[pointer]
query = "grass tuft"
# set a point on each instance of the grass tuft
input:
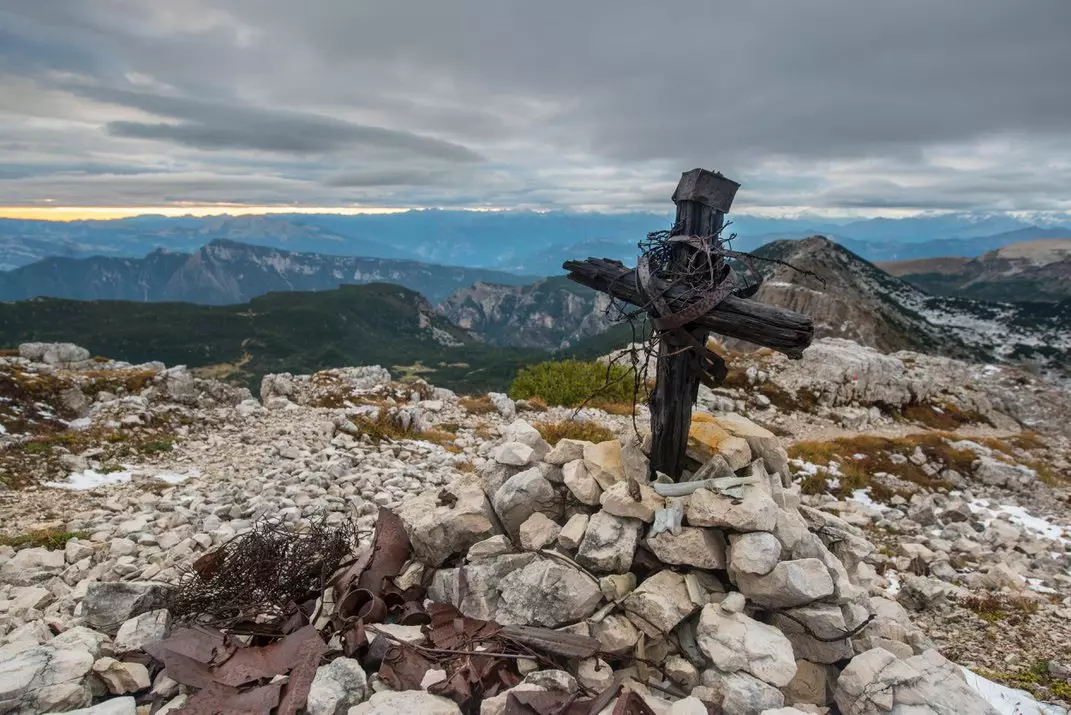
(583, 430)
(48, 538)
(571, 383)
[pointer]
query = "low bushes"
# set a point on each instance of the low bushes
(571, 383)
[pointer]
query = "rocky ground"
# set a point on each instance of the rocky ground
(919, 500)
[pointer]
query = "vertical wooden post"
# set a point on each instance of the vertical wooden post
(703, 198)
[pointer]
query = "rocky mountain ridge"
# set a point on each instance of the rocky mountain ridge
(226, 272)
(1029, 271)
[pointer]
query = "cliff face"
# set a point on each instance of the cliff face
(550, 314)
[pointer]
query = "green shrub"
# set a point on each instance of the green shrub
(572, 382)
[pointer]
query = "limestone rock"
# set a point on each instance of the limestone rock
(484, 581)
(337, 687)
(521, 432)
(121, 678)
(755, 553)
(45, 679)
(823, 619)
(763, 442)
(573, 532)
(521, 496)
(108, 605)
(447, 522)
(604, 462)
(617, 501)
(877, 682)
(615, 634)
(547, 593)
(113, 706)
(757, 511)
(707, 438)
(142, 630)
(538, 531)
(609, 543)
(581, 483)
(490, 547)
(789, 584)
(514, 454)
(410, 702)
(659, 603)
(30, 566)
(814, 683)
(693, 546)
(735, 642)
(741, 693)
(567, 450)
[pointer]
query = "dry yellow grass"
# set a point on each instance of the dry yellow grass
(477, 405)
(583, 430)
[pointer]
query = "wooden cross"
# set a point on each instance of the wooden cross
(682, 319)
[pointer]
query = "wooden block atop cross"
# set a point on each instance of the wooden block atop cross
(703, 198)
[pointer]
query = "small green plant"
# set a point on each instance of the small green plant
(48, 538)
(571, 383)
(583, 430)
(155, 446)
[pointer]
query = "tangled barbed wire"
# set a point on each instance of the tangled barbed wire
(264, 574)
(701, 272)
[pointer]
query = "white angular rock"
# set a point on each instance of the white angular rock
(573, 532)
(763, 442)
(142, 630)
(693, 546)
(524, 433)
(826, 620)
(484, 581)
(757, 511)
(538, 531)
(108, 605)
(877, 682)
(497, 545)
(615, 634)
(30, 566)
(514, 454)
(121, 678)
(45, 679)
(741, 693)
(547, 593)
(521, 496)
(789, 584)
(113, 706)
(581, 483)
(660, 603)
(409, 702)
(735, 642)
(755, 553)
(617, 501)
(567, 450)
(338, 686)
(609, 543)
(604, 462)
(441, 524)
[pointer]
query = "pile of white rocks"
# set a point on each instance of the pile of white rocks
(748, 603)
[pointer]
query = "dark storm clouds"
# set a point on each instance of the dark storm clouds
(913, 104)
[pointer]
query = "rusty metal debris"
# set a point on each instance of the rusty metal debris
(233, 679)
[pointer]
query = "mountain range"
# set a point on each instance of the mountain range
(527, 242)
(224, 272)
(1028, 271)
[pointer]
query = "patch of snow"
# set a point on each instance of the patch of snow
(894, 583)
(80, 424)
(91, 479)
(1021, 517)
(862, 497)
(3, 430)
(1007, 701)
(1037, 586)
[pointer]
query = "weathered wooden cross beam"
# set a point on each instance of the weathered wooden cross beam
(702, 198)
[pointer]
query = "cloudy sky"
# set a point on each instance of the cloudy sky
(837, 107)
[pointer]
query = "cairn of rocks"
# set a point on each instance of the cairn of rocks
(737, 597)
